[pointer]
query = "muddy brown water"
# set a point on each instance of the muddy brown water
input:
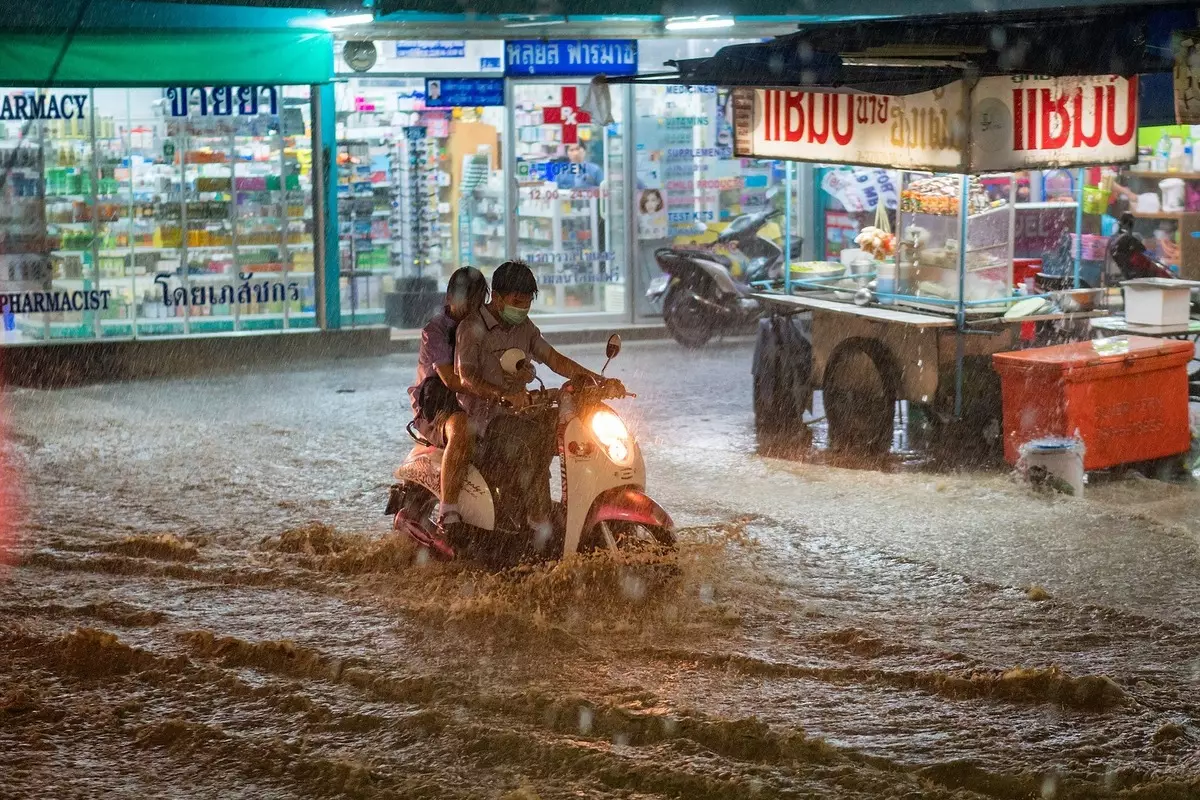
(204, 601)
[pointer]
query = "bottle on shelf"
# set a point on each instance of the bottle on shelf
(1162, 153)
(1175, 159)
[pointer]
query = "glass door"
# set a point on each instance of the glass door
(570, 221)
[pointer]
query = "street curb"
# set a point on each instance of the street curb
(59, 365)
(410, 341)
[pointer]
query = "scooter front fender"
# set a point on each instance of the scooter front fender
(627, 504)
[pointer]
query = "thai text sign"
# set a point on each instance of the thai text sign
(463, 92)
(1028, 122)
(222, 101)
(564, 58)
(1015, 123)
(921, 131)
(438, 49)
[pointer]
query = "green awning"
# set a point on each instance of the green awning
(129, 59)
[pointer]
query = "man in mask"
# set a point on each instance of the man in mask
(520, 443)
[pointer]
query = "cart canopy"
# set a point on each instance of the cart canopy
(899, 57)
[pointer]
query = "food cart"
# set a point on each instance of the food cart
(943, 101)
(921, 322)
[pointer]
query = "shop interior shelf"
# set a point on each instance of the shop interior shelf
(1187, 176)
(1176, 215)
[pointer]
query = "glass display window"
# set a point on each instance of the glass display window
(160, 211)
(420, 192)
(570, 215)
(690, 187)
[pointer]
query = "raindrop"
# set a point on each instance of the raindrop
(633, 587)
(999, 37)
(1110, 778)
(423, 557)
(621, 740)
(706, 593)
(1196, 670)
(1050, 787)
(585, 720)
(756, 786)
(670, 726)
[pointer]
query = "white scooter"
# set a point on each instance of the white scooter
(603, 481)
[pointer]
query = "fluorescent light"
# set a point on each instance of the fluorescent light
(706, 23)
(536, 23)
(348, 20)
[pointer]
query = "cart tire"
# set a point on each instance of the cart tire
(861, 418)
(689, 323)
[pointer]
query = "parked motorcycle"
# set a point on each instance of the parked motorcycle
(704, 293)
(604, 502)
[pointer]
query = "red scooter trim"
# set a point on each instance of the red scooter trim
(627, 504)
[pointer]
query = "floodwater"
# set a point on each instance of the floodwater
(205, 601)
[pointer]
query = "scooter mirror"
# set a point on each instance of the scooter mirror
(611, 350)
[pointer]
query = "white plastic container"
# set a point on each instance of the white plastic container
(1158, 302)
(850, 255)
(1172, 194)
(1062, 458)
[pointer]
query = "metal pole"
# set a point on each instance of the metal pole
(326, 269)
(964, 213)
(1078, 225)
(788, 180)
(633, 267)
(805, 215)
(511, 198)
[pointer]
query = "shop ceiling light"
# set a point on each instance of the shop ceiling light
(535, 23)
(348, 20)
(705, 23)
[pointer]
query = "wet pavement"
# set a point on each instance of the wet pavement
(205, 601)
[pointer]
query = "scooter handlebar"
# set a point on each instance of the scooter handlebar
(541, 399)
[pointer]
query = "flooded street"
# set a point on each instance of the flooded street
(205, 600)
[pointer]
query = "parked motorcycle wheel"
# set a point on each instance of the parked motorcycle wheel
(689, 321)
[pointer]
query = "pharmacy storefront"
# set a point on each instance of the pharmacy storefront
(169, 193)
(477, 151)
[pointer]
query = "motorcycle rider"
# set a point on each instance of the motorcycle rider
(507, 439)
(438, 418)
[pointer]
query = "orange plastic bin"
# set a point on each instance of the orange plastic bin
(1127, 397)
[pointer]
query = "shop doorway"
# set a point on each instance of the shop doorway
(571, 220)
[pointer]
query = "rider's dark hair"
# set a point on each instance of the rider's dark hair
(467, 284)
(514, 277)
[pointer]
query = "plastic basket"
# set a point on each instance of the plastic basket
(1094, 247)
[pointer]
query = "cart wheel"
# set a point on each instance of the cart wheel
(860, 387)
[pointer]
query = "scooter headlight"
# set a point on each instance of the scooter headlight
(612, 435)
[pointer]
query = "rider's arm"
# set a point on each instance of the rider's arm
(556, 361)
(450, 378)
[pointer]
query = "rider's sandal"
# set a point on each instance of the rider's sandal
(439, 543)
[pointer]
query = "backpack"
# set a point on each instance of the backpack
(434, 396)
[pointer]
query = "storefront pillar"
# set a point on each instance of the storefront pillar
(325, 211)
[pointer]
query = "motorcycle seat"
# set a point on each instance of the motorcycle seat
(669, 258)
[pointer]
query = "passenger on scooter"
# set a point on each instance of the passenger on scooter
(507, 439)
(437, 416)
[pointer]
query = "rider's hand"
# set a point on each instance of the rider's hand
(517, 400)
(526, 374)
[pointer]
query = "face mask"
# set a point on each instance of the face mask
(513, 315)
